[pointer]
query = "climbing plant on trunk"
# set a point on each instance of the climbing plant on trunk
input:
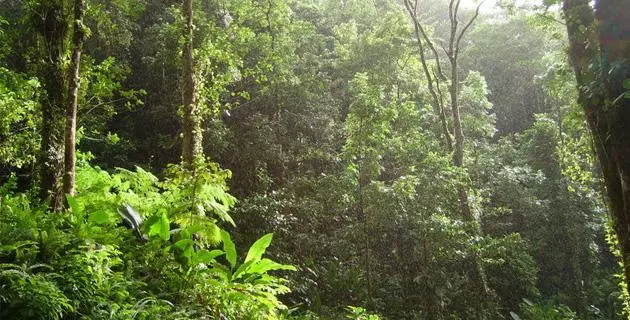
(191, 125)
(599, 50)
(51, 23)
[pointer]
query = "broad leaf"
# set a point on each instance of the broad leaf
(242, 269)
(161, 228)
(99, 217)
(183, 244)
(258, 248)
(265, 265)
(186, 246)
(261, 267)
(229, 248)
(72, 202)
(205, 256)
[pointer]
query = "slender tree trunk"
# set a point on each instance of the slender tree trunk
(53, 29)
(458, 151)
(73, 95)
(433, 80)
(191, 125)
(473, 264)
(599, 50)
(476, 270)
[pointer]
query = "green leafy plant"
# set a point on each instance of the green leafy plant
(359, 313)
(546, 311)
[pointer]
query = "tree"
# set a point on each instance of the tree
(51, 21)
(435, 77)
(73, 98)
(599, 49)
(191, 125)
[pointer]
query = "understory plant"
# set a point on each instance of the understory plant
(84, 263)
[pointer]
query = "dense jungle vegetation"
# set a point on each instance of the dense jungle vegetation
(314, 159)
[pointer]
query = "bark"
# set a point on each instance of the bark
(191, 125)
(71, 111)
(53, 29)
(599, 49)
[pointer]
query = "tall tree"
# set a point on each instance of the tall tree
(599, 50)
(191, 125)
(435, 77)
(51, 22)
(73, 96)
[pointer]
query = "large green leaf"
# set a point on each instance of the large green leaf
(99, 217)
(183, 244)
(229, 248)
(258, 248)
(242, 269)
(265, 265)
(72, 202)
(261, 267)
(161, 227)
(205, 256)
(186, 246)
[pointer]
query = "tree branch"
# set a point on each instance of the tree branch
(467, 26)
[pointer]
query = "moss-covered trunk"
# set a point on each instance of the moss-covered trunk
(600, 51)
(53, 27)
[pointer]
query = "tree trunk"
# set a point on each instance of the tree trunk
(458, 151)
(53, 29)
(476, 270)
(191, 125)
(599, 49)
(434, 90)
(73, 95)
(473, 264)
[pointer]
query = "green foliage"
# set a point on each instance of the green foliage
(359, 313)
(19, 135)
(30, 295)
(80, 263)
(547, 311)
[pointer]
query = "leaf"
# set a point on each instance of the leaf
(99, 217)
(514, 316)
(265, 265)
(258, 248)
(205, 256)
(626, 84)
(186, 247)
(229, 248)
(222, 271)
(242, 269)
(161, 228)
(183, 244)
(72, 202)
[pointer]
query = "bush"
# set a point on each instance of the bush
(82, 264)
